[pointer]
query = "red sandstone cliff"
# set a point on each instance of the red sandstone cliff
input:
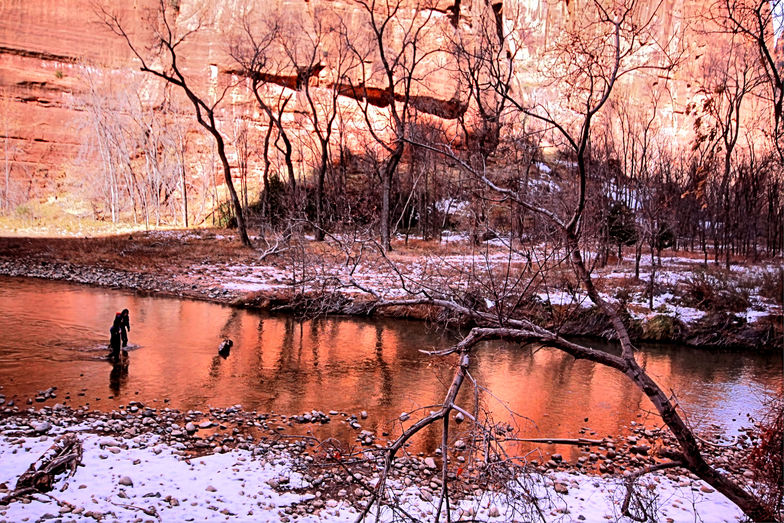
(45, 46)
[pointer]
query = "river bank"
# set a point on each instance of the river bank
(141, 461)
(693, 305)
(146, 460)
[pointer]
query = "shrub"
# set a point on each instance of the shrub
(767, 456)
(771, 285)
(662, 328)
(665, 237)
(765, 283)
(24, 212)
(620, 225)
(714, 292)
(273, 205)
(224, 215)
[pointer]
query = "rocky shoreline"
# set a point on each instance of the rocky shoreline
(717, 331)
(325, 474)
(143, 282)
(329, 480)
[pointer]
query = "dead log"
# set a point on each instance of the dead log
(62, 457)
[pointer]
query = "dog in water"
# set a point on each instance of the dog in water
(225, 347)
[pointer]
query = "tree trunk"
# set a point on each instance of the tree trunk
(386, 183)
(637, 256)
(692, 456)
(184, 196)
(241, 229)
(320, 220)
(386, 190)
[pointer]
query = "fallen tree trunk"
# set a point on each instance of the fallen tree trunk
(61, 458)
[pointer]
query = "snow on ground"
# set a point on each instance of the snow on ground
(541, 185)
(168, 234)
(458, 271)
(250, 286)
(562, 298)
(753, 315)
(452, 205)
(120, 482)
(543, 167)
(684, 314)
(600, 499)
(124, 480)
(672, 277)
(455, 237)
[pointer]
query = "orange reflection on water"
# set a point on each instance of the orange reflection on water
(55, 335)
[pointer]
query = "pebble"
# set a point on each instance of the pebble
(42, 427)
(169, 423)
(126, 481)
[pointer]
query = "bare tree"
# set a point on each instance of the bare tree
(645, 171)
(318, 52)
(106, 111)
(729, 78)
(397, 30)
(258, 51)
(756, 21)
(141, 147)
(481, 55)
(179, 144)
(166, 41)
(7, 125)
(601, 46)
(242, 146)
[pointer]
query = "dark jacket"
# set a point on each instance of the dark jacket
(115, 337)
(124, 322)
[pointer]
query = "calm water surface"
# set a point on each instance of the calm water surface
(55, 334)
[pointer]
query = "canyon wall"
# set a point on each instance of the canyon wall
(49, 49)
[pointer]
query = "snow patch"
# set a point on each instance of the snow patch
(239, 485)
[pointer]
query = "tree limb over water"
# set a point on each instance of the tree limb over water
(615, 34)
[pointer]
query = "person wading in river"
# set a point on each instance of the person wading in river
(115, 340)
(123, 319)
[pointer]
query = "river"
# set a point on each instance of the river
(54, 334)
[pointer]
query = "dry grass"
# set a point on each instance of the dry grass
(130, 251)
(140, 250)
